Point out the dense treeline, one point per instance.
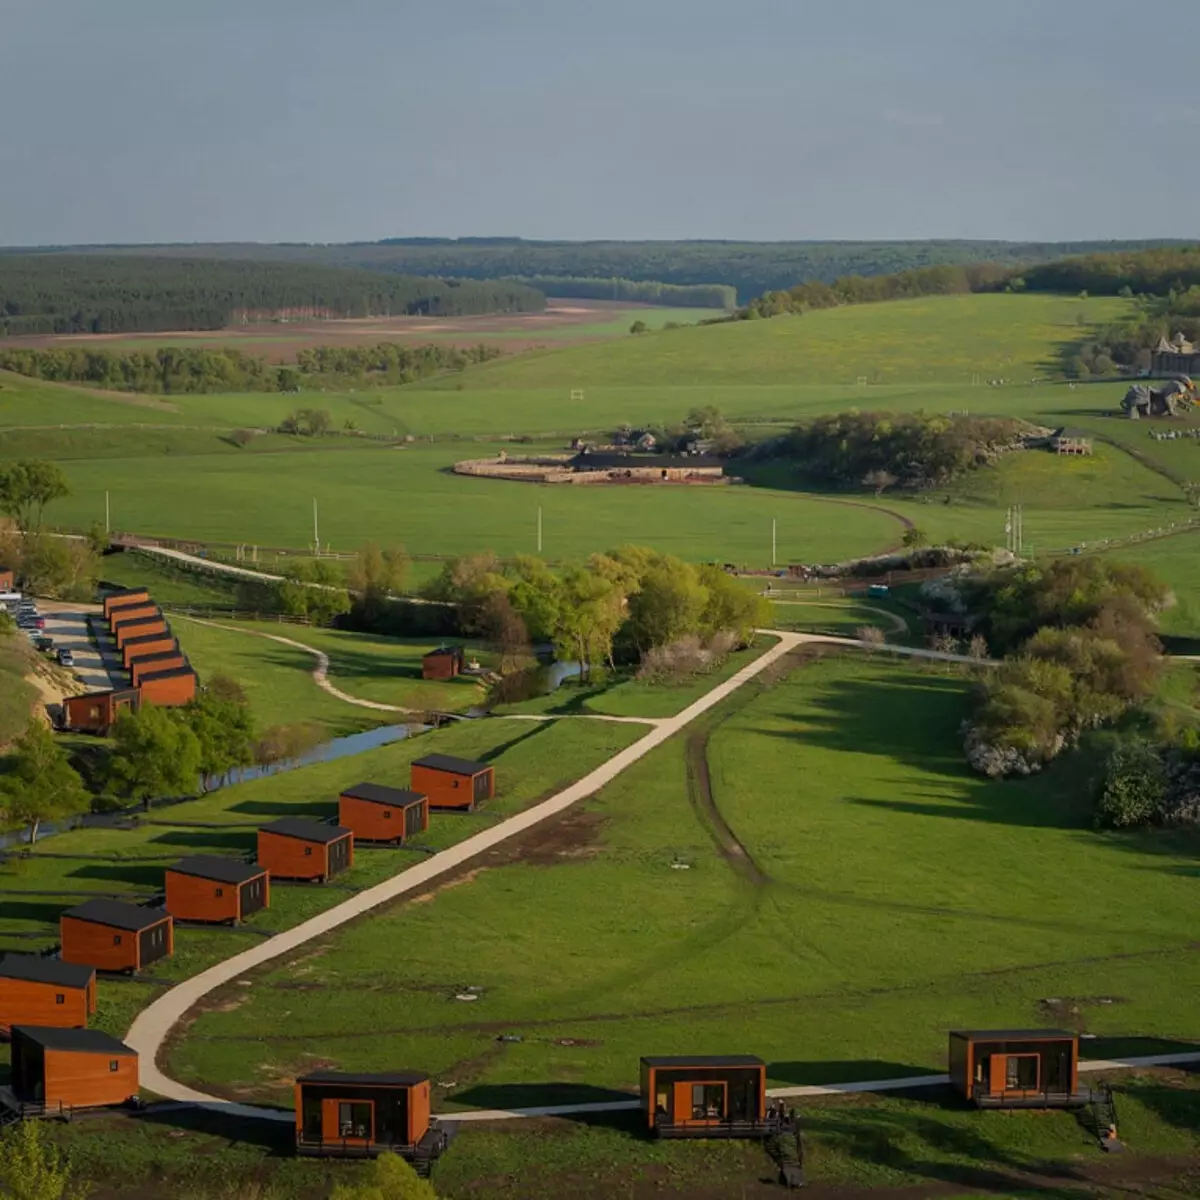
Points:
(911, 450)
(641, 291)
(1129, 343)
(945, 280)
(751, 267)
(51, 293)
(175, 369)
(1156, 272)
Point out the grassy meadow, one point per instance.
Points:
(837, 956)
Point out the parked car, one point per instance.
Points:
(39, 622)
(66, 658)
(43, 643)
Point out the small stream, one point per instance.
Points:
(343, 747)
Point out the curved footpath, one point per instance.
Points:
(153, 1025)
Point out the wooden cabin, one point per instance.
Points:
(443, 663)
(122, 598)
(363, 1115)
(207, 887)
(142, 647)
(293, 848)
(713, 1095)
(57, 1070)
(1017, 1068)
(453, 783)
(142, 627)
(45, 991)
(8, 580)
(111, 935)
(382, 814)
(148, 664)
(176, 685)
(95, 712)
(132, 612)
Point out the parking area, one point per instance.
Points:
(67, 624)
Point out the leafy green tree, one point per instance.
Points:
(26, 487)
(315, 590)
(33, 1169)
(224, 728)
(155, 755)
(41, 785)
(730, 606)
(389, 1177)
(1135, 784)
(638, 326)
(669, 604)
(915, 537)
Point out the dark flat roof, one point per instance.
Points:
(149, 637)
(85, 1041)
(97, 695)
(444, 650)
(604, 462)
(306, 831)
(1013, 1035)
(376, 793)
(704, 1060)
(34, 969)
(170, 673)
(118, 914)
(455, 766)
(214, 866)
(394, 1078)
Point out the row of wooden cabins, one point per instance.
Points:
(159, 672)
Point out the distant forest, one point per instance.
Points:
(752, 268)
(175, 369)
(85, 293)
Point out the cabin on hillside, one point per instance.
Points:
(175, 685)
(111, 935)
(446, 662)
(1175, 356)
(8, 579)
(456, 784)
(293, 848)
(1017, 1068)
(134, 649)
(648, 468)
(55, 1071)
(122, 598)
(1070, 441)
(706, 1095)
(132, 612)
(95, 712)
(149, 664)
(207, 887)
(382, 814)
(45, 991)
(139, 628)
(357, 1115)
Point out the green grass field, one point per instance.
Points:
(897, 896)
(16, 695)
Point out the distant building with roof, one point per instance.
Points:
(1175, 356)
(1070, 441)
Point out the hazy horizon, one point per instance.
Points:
(772, 120)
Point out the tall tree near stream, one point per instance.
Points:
(41, 784)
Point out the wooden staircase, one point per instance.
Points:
(1103, 1110)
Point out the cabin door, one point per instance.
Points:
(701, 1103)
(353, 1121)
(1014, 1073)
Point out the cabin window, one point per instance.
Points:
(218, 892)
(93, 713)
(114, 1064)
(455, 783)
(387, 814)
(308, 852)
(662, 1099)
(60, 998)
(354, 1120)
(116, 939)
(1021, 1072)
(708, 1101)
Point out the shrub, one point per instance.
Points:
(1134, 787)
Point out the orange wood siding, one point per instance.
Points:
(284, 857)
(94, 945)
(6, 581)
(27, 1002)
(134, 630)
(92, 713)
(369, 822)
(418, 1112)
(190, 898)
(87, 1080)
(137, 670)
(134, 612)
(164, 641)
(112, 603)
(448, 791)
(178, 689)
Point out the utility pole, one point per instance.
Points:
(316, 530)
(539, 529)
(107, 522)
(773, 541)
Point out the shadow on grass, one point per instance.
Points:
(498, 751)
(535, 1095)
(1134, 1047)
(278, 1138)
(148, 875)
(311, 808)
(45, 911)
(236, 840)
(844, 1071)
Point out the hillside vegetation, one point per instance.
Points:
(44, 293)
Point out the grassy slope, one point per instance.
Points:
(851, 961)
(16, 695)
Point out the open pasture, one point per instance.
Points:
(883, 895)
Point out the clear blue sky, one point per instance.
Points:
(332, 120)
